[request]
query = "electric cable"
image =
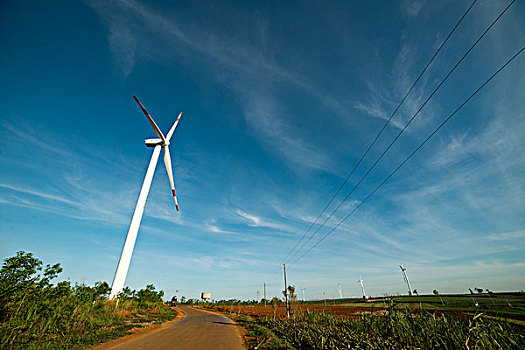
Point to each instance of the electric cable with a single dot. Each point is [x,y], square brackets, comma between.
[405,127]
[411,154]
[382,129]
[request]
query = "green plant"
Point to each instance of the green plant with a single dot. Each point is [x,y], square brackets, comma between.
[37,314]
[396,329]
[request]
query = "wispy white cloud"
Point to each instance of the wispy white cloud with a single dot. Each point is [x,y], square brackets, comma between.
[385,93]
[82,196]
[506,236]
[123,46]
[212,226]
[36,193]
[262,115]
[85,209]
[256,221]
[237,64]
[413,7]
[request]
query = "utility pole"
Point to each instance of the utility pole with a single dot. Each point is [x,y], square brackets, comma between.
[286,292]
[264,294]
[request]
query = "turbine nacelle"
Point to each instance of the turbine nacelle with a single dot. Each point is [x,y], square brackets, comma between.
[154,142]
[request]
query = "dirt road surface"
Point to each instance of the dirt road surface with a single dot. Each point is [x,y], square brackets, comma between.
[197,330]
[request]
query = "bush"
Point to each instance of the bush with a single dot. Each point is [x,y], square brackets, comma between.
[37,314]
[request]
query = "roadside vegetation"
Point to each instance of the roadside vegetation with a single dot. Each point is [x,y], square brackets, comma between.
[394,329]
[423,322]
[36,314]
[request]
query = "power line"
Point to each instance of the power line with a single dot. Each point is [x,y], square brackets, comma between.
[411,154]
[381,131]
[405,127]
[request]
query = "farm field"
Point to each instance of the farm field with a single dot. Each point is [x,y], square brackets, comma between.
[504,305]
[430,322]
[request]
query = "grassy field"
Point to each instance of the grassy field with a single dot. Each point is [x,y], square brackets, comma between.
[394,330]
[505,305]
[419,322]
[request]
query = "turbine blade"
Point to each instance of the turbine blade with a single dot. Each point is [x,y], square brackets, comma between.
[167,162]
[172,130]
[151,121]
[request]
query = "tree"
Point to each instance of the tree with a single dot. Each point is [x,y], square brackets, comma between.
[292,300]
[101,290]
[275,302]
[435,291]
[21,273]
[127,293]
[149,294]
[21,268]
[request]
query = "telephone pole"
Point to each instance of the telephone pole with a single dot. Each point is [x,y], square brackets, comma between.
[286,292]
[264,294]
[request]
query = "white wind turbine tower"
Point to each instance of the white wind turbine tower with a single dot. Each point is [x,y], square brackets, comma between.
[340,291]
[405,277]
[129,245]
[362,287]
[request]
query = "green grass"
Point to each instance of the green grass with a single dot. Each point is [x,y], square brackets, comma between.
[259,336]
[66,324]
[35,314]
[503,304]
[396,330]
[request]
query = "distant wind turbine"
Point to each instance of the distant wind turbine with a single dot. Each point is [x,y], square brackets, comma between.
[405,277]
[129,245]
[362,287]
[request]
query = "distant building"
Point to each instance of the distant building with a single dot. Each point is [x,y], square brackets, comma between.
[205,296]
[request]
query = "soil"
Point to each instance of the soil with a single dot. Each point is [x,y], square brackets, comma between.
[137,332]
[337,311]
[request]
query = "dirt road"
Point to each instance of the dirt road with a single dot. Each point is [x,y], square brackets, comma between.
[197,330]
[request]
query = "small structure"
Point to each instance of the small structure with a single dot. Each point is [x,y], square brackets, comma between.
[205,296]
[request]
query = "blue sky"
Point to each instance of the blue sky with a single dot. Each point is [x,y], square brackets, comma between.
[279,101]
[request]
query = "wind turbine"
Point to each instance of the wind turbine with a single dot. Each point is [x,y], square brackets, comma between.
[340,291]
[129,245]
[405,277]
[362,287]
